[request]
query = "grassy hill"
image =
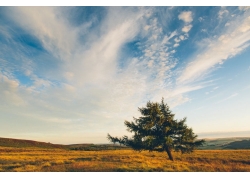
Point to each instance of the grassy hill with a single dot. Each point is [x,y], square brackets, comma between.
[227,143]
[21,143]
[31,156]
[244,144]
[60,160]
[210,144]
[95,147]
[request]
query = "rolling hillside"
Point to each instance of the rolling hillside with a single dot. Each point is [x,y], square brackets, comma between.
[210,144]
[244,144]
[227,143]
[20,143]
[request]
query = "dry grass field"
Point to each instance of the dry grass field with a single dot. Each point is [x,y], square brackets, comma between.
[59,160]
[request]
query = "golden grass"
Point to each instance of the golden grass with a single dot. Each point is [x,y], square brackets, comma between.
[56,160]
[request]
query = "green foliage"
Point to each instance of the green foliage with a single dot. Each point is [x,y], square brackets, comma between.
[157,130]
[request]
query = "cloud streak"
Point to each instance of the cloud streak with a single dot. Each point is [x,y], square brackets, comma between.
[231,96]
[232,42]
[48,25]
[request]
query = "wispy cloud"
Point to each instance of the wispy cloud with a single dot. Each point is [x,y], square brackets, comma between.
[232,42]
[47,24]
[87,82]
[244,8]
[89,73]
[223,12]
[211,91]
[231,96]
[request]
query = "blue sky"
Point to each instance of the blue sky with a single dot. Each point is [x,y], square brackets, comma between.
[74,74]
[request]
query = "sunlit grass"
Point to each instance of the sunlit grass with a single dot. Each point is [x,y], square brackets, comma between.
[42,160]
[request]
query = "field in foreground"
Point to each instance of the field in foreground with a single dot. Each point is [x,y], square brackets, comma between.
[43,160]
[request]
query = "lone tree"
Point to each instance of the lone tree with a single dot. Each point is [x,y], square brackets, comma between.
[157,130]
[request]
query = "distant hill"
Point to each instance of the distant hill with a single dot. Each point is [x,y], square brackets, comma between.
[244,144]
[227,143]
[21,143]
[220,143]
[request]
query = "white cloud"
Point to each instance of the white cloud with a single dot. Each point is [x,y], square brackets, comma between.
[167,38]
[244,8]
[146,27]
[232,42]
[186,16]
[222,12]
[174,33]
[184,89]
[9,88]
[182,37]
[47,24]
[177,40]
[203,30]
[201,19]
[173,51]
[176,45]
[209,92]
[150,63]
[231,96]
[186,28]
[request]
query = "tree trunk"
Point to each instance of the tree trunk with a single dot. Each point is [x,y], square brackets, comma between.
[169,154]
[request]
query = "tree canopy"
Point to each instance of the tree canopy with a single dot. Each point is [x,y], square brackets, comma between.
[157,130]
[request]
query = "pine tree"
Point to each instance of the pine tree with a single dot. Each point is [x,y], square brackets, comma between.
[157,130]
